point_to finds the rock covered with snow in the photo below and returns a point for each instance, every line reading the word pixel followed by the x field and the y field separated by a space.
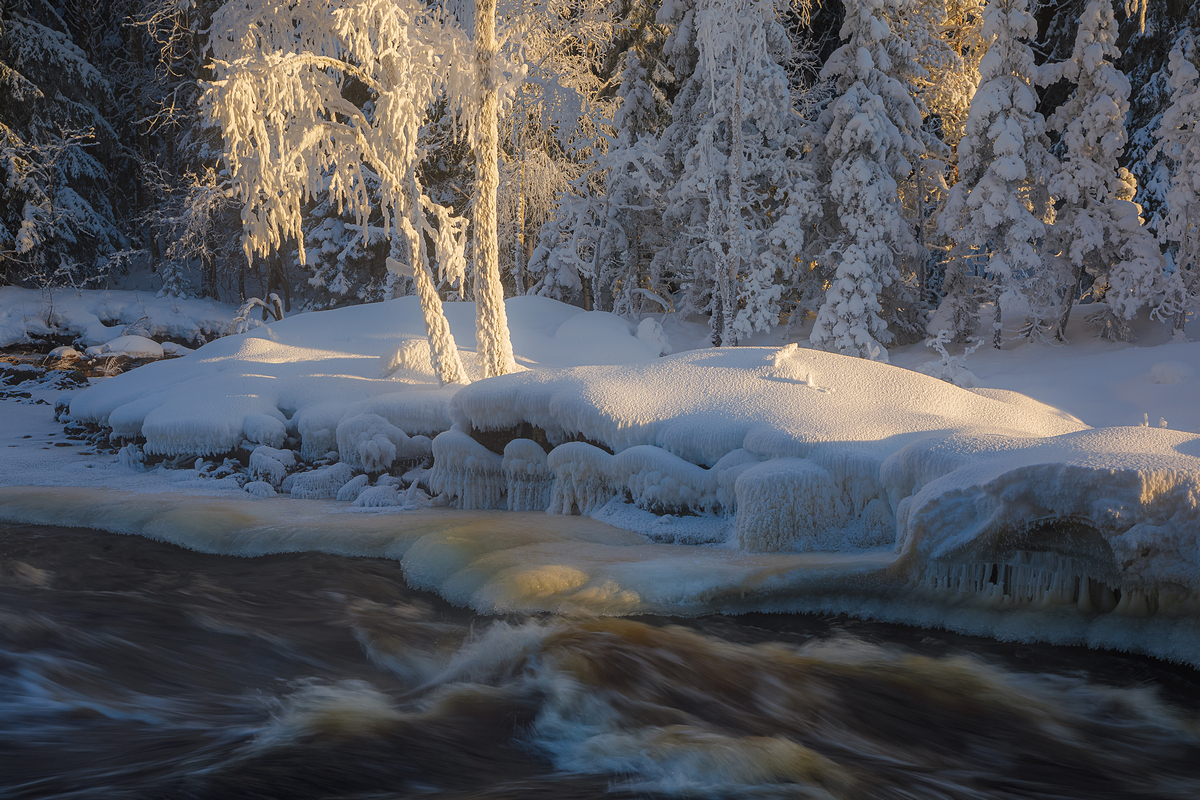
pixel 132 347
pixel 470 475
pixel 1131 496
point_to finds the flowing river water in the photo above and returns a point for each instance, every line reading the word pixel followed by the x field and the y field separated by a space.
pixel 135 669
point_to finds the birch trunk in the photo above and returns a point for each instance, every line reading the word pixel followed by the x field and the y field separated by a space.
pixel 491 321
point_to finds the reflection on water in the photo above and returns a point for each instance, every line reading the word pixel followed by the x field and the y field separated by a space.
pixel 133 669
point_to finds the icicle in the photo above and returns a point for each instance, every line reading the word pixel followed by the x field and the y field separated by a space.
pixel 583 478
pixel 469 474
pixel 527 476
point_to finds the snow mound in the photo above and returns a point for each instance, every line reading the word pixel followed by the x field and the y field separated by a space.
pixel 132 347
pixel 317 369
pixel 793 440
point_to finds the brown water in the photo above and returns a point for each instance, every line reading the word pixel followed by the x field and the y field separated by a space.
pixel 134 669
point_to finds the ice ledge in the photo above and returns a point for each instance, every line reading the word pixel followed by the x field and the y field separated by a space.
pixel 531 562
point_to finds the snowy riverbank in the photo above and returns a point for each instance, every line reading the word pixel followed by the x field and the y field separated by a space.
pixel 759 477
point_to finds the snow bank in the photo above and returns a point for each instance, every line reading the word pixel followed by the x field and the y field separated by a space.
pixel 94 317
pixel 1117 509
pixel 313 371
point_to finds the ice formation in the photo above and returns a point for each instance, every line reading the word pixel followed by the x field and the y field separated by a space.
pixel 371 443
pixel 259 489
pixel 268 429
pixel 667 420
pixel 382 496
pixel 527 476
pixel 583 478
pixel 320 484
pixel 353 488
pixel 470 475
pixel 270 465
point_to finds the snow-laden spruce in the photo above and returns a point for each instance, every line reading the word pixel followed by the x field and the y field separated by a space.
pixel 871 140
pixel 1179 142
pixel 739 201
pixel 1097 226
pixel 997 212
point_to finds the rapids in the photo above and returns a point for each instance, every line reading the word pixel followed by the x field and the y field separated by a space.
pixel 131 668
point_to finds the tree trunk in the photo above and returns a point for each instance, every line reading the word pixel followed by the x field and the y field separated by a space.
pixel 734 223
pixel 443 352
pixel 491 321
pixel 519 259
pixel 1068 301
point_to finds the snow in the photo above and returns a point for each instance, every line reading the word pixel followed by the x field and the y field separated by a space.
pixel 133 347
pixel 95 317
pixel 732 479
pixel 318 369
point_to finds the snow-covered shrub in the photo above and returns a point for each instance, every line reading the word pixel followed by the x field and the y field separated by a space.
pixel 527 476
pixel 470 475
pixel 131 457
pixel 651 332
pixel 951 368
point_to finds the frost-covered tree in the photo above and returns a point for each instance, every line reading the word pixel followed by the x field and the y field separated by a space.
pixel 740 199
pixel 600 238
pixel 996 214
pixel 282 72
pixel 58 221
pixel 1179 141
pixel 491 322
pixel 1097 227
pixel 872 140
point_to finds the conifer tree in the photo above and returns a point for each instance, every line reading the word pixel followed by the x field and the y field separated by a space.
pixel 1096 226
pixel 1179 141
pixel 871 141
pixel 997 212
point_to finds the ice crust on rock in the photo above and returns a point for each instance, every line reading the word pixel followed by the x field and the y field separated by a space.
pixel 268 429
pixel 527 476
pixel 1131 495
pixel 583 478
pixel 818 423
pixel 321 484
pixel 353 488
pixel 259 489
pixel 270 465
pixel 470 475
pixel 371 443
